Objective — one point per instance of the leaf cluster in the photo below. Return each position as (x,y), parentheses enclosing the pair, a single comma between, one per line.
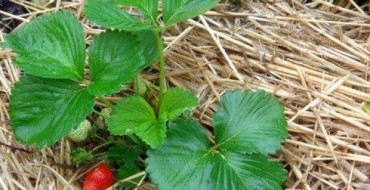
(108,13)
(134,115)
(248,127)
(57,92)
(55,95)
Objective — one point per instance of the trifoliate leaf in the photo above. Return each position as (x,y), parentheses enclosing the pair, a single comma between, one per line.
(180,10)
(114,58)
(176,101)
(250,122)
(186,161)
(133,115)
(51,46)
(148,8)
(107,13)
(43,111)
(366,107)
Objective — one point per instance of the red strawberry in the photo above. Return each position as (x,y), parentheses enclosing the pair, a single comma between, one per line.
(99,179)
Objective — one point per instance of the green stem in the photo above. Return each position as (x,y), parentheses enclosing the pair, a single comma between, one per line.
(106,102)
(133,139)
(100,138)
(102,145)
(162,72)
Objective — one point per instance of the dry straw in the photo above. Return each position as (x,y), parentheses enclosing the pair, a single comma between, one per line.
(315,57)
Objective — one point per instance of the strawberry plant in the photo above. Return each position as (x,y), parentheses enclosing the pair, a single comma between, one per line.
(62,82)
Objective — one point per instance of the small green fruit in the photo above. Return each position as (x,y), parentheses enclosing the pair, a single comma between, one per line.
(140,86)
(82,132)
(102,120)
(105,113)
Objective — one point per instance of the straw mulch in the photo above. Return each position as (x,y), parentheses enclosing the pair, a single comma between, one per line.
(315,57)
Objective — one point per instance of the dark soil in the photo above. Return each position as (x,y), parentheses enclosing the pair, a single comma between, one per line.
(11,8)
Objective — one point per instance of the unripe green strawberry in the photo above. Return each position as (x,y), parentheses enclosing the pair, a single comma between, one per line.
(105,113)
(102,120)
(100,123)
(81,133)
(140,86)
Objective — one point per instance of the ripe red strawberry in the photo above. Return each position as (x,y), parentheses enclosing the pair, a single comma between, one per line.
(99,179)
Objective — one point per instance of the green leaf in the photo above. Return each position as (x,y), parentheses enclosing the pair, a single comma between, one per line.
(238,171)
(183,161)
(150,51)
(176,101)
(180,10)
(114,154)
(81,156)
(186,161)
(125,172)
(51,46)
(108,13)
(154,134)
(366,107)
(115,58)
(122,155)
(250,122)
(133,115)
(43,111)
(148,8)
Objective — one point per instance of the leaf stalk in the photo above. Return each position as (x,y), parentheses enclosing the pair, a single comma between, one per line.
(162,71)
(106,102)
